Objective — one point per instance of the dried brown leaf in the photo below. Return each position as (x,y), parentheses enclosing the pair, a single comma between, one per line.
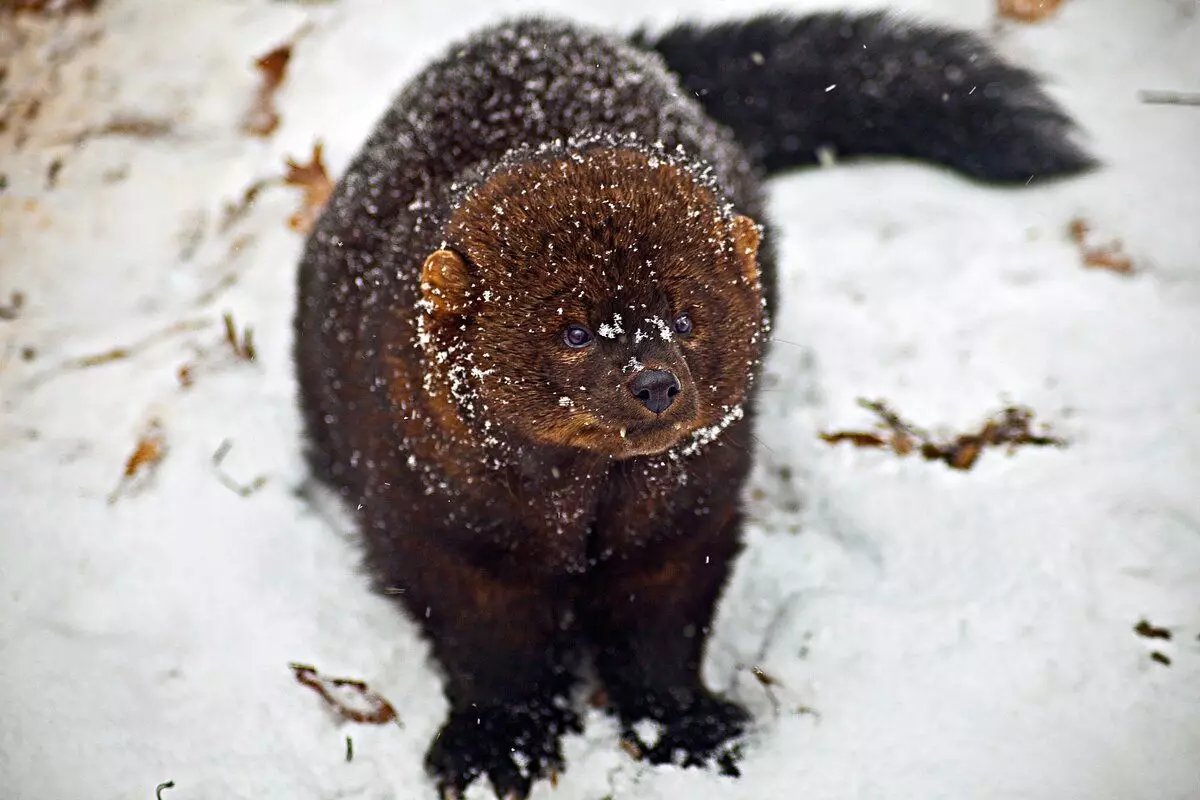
(856,438)
(149,452)
(1027,10)
(349,698)
(964,452)
(314,182)
(1107,257)
(1010,427)
(262,118)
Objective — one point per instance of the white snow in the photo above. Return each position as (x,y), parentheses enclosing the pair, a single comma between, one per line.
(949,634)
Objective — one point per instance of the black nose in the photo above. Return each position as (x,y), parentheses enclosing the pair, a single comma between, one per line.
(656,388)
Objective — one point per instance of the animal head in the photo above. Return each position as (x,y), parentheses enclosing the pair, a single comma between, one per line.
(606,301)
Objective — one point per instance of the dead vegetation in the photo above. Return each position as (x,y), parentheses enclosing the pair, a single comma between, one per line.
(771,687)
(262,118)
(1147,630)
(241,344)
(241,489)
(143,462)
(1107,256)
(238,345)
(131,125)
(42,83)
(49,6)
(115,354)
(12,310)
(348,698)
(1027,10)
(1010,428)
(234,212)
(314,183)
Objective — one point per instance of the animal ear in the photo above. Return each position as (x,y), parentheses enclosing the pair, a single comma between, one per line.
(444,282)
(745,245)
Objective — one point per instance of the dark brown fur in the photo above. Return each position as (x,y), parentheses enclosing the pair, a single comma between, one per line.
(567,532)
(529,510)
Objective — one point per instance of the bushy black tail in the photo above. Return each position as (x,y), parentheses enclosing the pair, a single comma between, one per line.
(871,84)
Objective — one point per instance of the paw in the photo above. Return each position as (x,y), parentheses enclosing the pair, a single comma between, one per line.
(513,745)
(700,730)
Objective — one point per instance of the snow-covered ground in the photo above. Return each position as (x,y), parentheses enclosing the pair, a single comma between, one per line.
(931,633)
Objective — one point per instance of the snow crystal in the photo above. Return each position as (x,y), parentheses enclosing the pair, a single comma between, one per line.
(665,331)
(611,330)
(708,435)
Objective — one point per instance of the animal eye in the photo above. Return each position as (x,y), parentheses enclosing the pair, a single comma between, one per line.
(683,324)
(577,336)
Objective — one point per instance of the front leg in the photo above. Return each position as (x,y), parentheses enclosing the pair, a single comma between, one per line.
(503,642)
(648,614)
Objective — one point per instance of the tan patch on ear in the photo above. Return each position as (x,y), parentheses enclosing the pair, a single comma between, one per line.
(745,242)
(444,282)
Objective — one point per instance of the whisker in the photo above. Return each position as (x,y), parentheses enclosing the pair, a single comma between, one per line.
(763,444)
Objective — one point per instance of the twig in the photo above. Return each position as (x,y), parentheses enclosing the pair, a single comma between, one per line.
(244,490)
(1010,427)
(116,353)
(243,347)
(1148,630)
(1161,98)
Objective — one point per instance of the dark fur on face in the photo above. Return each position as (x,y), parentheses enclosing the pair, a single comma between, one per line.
(623,244)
